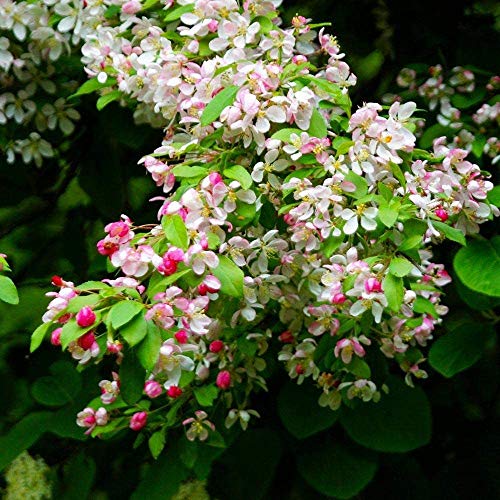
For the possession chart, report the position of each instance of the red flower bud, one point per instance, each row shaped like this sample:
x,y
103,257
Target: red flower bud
x,y
174,392
287,337
57,281
216,346
181,336
223,380
86,341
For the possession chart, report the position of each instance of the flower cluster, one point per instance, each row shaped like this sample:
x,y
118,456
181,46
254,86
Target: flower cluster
x,y
287,226
464,105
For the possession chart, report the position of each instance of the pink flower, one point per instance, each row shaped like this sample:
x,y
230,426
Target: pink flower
x,y
138,420
85,317
346,347
223,380
199,426
91,418
152,389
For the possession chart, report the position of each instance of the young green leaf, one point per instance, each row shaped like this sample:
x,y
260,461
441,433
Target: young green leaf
x,y
222,100
122,312
8,291
240,174
175,231
400,267
394,291
230,276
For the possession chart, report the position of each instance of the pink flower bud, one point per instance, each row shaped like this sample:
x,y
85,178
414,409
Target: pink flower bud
x,y
174,392
214,178
181,336
202,289
338,298
85,317
223,380
442,214
138,420
216,346
175,254
131,7
168,266
86,341
152,389
55,337
373,285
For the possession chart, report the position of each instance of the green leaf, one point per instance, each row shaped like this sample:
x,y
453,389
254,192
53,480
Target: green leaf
x,y
240,174
105,99
159,283
398,423
132,377
295,404
451,233
206,395
230,276
317,127
175,231
222,100
285,133
255,454
149,349
23,435
359,182
400,267
189,171
432,133
156,443
410,242
163,478
334,469
91,86
71,331
8,291
174,14
266,24
79,474
76,303
460,349
388,216
135,330
359,367
478,266
475,300
123,312
425,306
394,291
60,388
38,335
494,196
